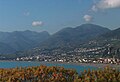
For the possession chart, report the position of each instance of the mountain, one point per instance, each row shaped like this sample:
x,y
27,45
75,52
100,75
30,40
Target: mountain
x,y
20,40
5,48
110,41
68,37
112,38
114,34
30,42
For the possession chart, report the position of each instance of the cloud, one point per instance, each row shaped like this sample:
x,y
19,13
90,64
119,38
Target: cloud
x,y
94,8
26,13
106,4
88,18
37,23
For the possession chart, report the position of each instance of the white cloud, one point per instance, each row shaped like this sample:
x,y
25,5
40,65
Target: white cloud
x,y
106,4
37,23
88,18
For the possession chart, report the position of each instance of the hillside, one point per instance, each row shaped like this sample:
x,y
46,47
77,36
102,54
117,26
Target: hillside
x,y
114,34
5,48
20,40
68,37
110,41
112,37
67,40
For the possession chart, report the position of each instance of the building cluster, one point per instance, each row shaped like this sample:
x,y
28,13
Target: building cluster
x,y
78,55
70,59
101,54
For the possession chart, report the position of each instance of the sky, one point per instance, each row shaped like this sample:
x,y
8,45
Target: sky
x,y
53,15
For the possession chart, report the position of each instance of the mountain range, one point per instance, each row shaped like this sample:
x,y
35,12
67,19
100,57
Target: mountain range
x,y
11,42
74,36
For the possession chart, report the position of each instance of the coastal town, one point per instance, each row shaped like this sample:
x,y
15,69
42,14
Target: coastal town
x,y
78,55
70,59
98,54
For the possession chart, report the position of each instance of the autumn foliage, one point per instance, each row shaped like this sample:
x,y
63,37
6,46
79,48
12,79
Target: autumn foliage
x,y
58,74
37,74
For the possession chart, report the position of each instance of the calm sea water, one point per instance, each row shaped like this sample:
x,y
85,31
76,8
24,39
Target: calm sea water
x,y
12,64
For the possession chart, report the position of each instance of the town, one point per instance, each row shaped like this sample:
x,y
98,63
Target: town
x,y
78,55
70,59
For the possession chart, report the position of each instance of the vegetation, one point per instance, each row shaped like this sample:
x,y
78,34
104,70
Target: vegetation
x,y
57,74
37,74
107,74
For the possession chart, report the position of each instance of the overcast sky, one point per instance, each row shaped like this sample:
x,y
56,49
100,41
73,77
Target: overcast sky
x,y
53,15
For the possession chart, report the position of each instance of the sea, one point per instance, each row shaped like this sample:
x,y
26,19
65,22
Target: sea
x,y
79,68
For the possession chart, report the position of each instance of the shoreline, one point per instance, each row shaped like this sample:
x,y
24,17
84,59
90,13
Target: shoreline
x,y
98,65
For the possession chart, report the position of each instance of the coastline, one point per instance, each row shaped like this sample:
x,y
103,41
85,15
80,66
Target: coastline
x,y
98,65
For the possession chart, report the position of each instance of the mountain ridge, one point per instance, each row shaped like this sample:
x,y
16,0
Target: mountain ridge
x,y
68,36
22,40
